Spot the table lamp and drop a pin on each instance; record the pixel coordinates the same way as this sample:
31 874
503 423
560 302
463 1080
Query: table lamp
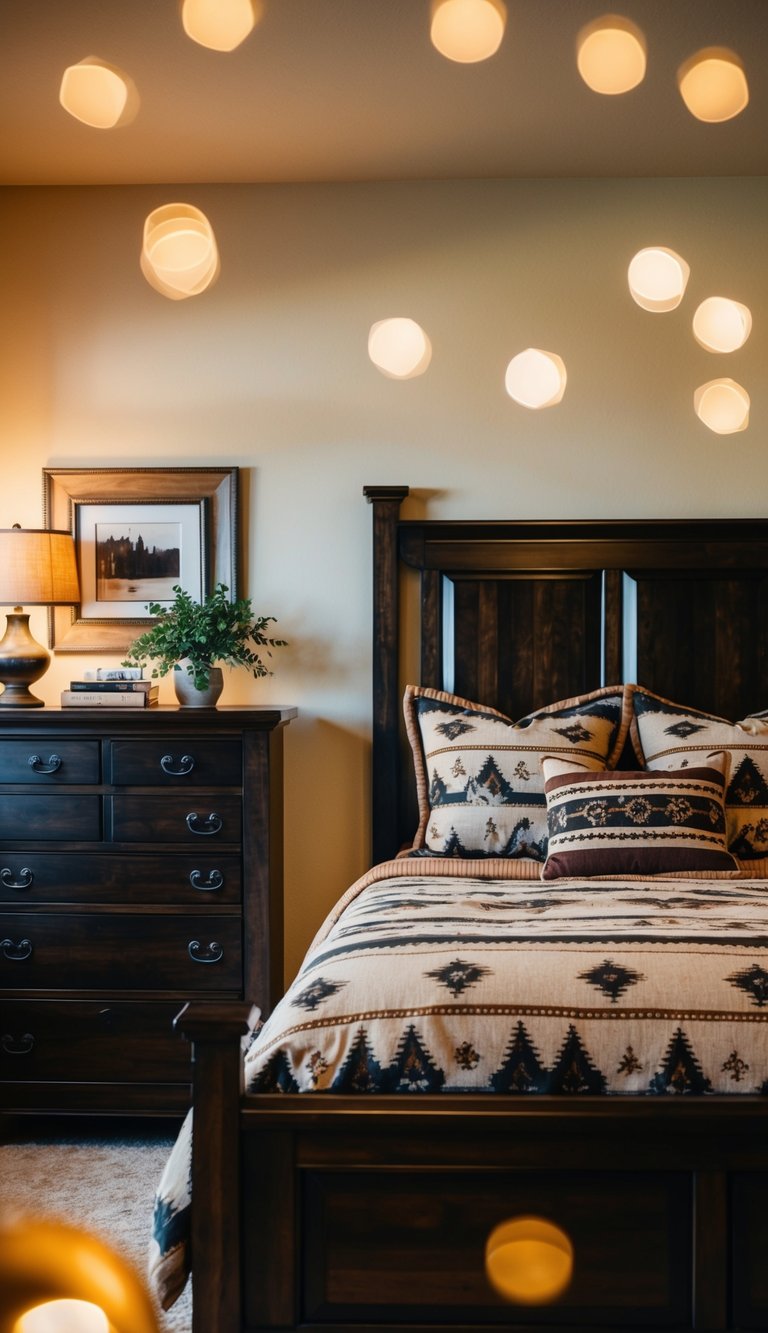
37 568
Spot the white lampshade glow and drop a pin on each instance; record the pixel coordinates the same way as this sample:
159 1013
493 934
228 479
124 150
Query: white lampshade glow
221 25
528 1260
658 278
722 325
535 378
63 1316
179 256
723 406
713 84
98 94
611 55
467 30
399 348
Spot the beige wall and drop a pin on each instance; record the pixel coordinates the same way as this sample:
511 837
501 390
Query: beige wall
268 371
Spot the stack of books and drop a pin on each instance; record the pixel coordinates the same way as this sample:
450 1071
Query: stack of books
110 689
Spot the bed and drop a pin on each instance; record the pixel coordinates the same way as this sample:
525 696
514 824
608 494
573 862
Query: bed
570 851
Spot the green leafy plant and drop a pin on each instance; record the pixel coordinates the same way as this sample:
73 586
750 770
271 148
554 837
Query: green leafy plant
202 634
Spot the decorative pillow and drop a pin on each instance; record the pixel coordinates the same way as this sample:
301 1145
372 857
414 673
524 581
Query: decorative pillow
479 780
669 735
624 823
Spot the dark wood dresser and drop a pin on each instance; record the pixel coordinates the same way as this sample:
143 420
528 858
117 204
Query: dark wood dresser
140 867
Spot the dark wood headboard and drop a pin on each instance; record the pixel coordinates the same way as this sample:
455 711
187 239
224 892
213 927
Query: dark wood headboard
519 614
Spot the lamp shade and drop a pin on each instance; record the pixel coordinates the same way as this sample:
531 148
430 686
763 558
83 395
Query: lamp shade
610 55
722 325
529 1260
657 278
37 568
467 30
399 348
535 378
220 25
98 93
723 406
179 255
713 84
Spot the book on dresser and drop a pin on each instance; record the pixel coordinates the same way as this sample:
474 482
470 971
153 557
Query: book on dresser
110 694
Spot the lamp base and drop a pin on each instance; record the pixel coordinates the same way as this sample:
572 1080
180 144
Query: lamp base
22 661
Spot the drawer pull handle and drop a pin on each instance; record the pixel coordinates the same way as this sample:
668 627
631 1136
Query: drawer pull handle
186 764
24 880
200 954
17 1046
214 881
205 826
38 765
16 953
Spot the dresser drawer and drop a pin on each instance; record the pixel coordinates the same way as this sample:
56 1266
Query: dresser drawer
184 954
45 877
49 759
176 762
199 818
54 817
80 1040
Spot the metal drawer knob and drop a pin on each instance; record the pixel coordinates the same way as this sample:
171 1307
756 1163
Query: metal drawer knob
214 881
38 765
185 765
16 953
17 1045
205 825
200 953
25 878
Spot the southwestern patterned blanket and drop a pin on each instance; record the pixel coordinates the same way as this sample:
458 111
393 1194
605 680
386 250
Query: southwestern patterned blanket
447 977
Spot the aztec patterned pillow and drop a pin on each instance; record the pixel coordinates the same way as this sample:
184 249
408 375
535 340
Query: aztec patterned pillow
669 735
667 823
479 780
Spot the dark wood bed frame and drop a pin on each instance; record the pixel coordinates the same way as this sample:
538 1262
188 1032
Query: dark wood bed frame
369 1213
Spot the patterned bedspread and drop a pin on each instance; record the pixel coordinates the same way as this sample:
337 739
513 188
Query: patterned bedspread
428 981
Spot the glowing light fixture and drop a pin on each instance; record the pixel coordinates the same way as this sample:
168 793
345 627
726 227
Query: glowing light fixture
179 255
98 94
713 84
399 348
220 25
722 325
529 1260
610 55
723 405
536 379
658 278
38 567
63 1316
467 30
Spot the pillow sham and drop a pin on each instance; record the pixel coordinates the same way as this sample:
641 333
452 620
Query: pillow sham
479 780
668 735
637 823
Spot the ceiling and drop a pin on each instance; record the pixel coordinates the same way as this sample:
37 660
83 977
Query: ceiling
352 90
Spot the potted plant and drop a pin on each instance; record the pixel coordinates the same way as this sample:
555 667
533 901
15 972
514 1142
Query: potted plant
190 638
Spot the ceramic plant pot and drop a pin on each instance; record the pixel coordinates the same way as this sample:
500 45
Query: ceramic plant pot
188 694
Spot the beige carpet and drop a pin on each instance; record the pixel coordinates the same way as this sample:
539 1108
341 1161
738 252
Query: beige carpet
106 1184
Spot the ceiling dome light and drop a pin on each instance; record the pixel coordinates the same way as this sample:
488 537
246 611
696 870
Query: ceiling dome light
722 325
399 348
98 94
179 255
220 25
658 278
529 1260
536 379
610 54
713 84
467 30
723 405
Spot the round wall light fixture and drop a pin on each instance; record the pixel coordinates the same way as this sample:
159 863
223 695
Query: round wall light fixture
179 256
535 378
713 84
221 25
399 348
723 406
658 278
611 55
467 30
722 325
98 94
528 1260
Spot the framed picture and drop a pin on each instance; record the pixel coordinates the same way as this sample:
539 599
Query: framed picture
138 533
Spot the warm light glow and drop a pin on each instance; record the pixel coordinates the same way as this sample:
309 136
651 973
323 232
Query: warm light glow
64 1316
528 1260
467 30
179 256
399 348
713 84
611 55
722 325
98 94
535 378
220 25
723 405
658 278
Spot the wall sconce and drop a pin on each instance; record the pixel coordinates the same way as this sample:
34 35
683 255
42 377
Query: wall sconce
220 25
536 379
467 30
98 94
179 255
658 278
37 568
723 406
610 55
528 1260
722 325
399 348
713 84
